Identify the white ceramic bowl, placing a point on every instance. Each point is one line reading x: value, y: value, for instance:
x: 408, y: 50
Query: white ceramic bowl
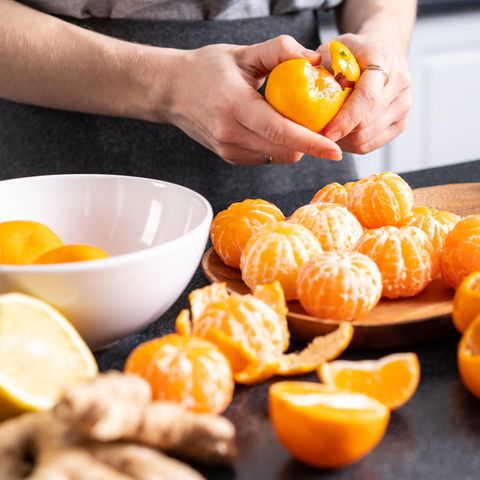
x: 155, y: 231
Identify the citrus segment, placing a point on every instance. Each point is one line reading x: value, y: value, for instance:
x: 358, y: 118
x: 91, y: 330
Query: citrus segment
x: 231, y: 228
x: 391, y: 380
x: 325, y: 428
x: 340, y: 286
x: 321, y: 349
x: 468, y: 357
x: 200, y: 298
x: 185, y: 370
x: 71, y: 253
x: 276, y: 253
x: 40, y: 355
x: 22, y: 241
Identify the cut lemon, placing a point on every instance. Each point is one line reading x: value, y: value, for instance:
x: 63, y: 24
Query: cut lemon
x: 40, y: 355
x: 391, y: 380
x: 323, y: 427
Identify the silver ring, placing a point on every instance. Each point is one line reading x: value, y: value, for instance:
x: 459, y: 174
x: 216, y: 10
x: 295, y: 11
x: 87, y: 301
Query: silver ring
x: 378, y: 68
x: 267, y: 159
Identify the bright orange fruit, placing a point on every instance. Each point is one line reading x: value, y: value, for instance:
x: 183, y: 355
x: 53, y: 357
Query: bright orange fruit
x: 340, y: 286
x: 391, y: 380
x: 231, y: 228
x: 21, y: 241
x: 461, y: 254
x: 466, y: 302
x: 71, y: 253
x: 468, y: 357
x: 311, y: 95
x: 335, y: 227
x: 404, y: 257
x: 380, y: 199
x: 276, y: 253
x: 185, y: 370
x: 324, y: 427
x: 333, y: 193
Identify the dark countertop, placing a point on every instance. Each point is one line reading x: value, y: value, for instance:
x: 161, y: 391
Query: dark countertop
x: 435, y: 436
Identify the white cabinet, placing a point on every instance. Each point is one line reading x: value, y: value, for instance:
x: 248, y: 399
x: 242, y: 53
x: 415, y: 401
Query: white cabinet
x: 444, y: 124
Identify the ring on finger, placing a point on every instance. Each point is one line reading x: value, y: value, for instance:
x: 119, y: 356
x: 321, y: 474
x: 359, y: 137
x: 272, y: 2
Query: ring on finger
x: 378, y: 68
x: 267, y: 159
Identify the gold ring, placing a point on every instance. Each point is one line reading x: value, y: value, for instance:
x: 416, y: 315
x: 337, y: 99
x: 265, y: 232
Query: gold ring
x: 267, y: 159
x: 378, y: 68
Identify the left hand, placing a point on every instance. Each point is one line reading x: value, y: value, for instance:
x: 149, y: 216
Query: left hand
x: 376, y: 111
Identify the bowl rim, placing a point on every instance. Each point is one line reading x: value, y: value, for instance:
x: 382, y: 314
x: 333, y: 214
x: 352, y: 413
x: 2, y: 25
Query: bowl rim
x: 115, y: 260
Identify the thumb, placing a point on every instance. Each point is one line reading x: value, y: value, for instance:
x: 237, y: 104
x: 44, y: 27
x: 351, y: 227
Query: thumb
x: 264, y: 57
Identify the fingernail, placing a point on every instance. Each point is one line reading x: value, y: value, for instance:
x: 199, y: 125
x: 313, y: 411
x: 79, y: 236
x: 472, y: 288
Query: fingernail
x: 311, y: 53
x: 334, y: 155
x: 334, y: 135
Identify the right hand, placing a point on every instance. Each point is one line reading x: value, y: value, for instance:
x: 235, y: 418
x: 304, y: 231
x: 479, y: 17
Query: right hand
x: 214, y: 99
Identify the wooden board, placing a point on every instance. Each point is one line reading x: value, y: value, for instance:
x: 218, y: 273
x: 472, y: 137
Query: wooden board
x: 393, y: 323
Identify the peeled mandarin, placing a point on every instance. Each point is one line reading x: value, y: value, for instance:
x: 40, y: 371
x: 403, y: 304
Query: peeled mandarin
x: 71, y: 253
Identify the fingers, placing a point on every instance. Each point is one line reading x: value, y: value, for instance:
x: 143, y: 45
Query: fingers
x: 262, y: 119
x: 265, y: 56
x: 367, y: 93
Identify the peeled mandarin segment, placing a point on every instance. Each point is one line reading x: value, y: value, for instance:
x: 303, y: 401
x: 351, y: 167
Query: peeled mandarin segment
x: 380, y: 199
x: 71, y: 253
x: 231, y: 228
x: 319, y: 350
x: 468, y: 357
x: 276, y: 253
x: 200, y: 298
x: 403, y: 256
x: 343, y: 61
x: 325, y: 428
x: 338, y: 286
x: 22, y: 241
x: 335, y: 227
x: 183, y: 324
x: 185, y: 370
x: 332, y: 193
x: 40, y: 355
x: 466, y: 302
x: 392, y: 380
x: 461, y: 254
x: 304, y: 93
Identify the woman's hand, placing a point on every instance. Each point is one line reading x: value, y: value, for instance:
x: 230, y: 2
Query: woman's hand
x: 214, y: 99
x: 376, y: 111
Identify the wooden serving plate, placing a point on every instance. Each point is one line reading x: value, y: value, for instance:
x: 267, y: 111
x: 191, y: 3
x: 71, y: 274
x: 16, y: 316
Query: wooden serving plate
x: 392, y: 323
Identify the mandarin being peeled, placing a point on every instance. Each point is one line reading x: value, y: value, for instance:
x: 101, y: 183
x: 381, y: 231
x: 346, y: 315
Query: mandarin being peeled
x: 404, y: 257
x: 334, y: 225
x: 185, y: 370
x: 311, y: 95
x: 231, y: 228
x: 380, y: 199
x: 461, y: 254
x: 342, y: 286
x: 276, y: 253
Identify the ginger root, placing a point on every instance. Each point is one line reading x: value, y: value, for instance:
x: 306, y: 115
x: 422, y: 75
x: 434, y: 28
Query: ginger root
x: 110, y: 429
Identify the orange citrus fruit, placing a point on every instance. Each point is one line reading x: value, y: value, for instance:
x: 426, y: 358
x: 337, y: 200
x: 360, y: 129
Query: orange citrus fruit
x: 276, y: 253
x: 468, y: 357
x: 391, y: 380
x: 334, y: 225
x: 185, y: 370
x: 461, y: 253
x: 466, y: 302
x: 333, y: 193
x: 21, y: 241
x: 71, y: 253
x: 404, y: 257
x: 380, y: 199
x: 323, y: 427
x: 231, y: 228
x: 311, y: 95
x: 340, y: 286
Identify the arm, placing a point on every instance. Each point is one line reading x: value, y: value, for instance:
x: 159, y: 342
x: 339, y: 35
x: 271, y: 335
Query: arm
x: 48, y: 62
x: 375, y: 113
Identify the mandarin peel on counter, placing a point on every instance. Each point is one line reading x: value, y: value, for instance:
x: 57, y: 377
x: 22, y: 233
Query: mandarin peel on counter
x: 404, y: 257
x: 335, y: 227
x: 311, y: 95
x: 231, y: 228
x: 276, y: 253
x: 380, y: 199
x: 324, y: 427
x: 339, y: 286
x: 392, y: 380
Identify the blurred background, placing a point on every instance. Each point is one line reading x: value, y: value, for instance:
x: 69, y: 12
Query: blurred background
x: 444, y: 124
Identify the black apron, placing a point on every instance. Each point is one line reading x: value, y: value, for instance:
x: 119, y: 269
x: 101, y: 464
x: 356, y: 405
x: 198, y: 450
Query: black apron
x: 38, y: 141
